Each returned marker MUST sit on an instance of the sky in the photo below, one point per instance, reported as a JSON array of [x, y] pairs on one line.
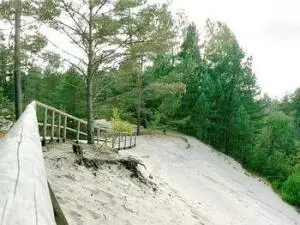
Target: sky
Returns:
[[269, 30]]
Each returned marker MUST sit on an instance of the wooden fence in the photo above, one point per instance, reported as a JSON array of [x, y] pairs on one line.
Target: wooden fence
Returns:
[[25, 197], [60, 130]]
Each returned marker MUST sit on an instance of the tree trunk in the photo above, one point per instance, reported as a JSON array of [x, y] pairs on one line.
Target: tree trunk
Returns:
[[89, 81], [139, 101], [90, 112], [17, 60]]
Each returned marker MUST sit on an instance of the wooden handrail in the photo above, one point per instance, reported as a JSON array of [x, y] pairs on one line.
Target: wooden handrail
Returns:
[[60, 112], [24, 192], [65, 127], [124, 137]]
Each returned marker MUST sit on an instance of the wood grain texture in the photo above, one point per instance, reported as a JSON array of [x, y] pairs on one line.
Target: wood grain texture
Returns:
[[24, 193]]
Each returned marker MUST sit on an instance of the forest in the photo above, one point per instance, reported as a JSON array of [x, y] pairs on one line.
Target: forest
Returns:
[[154, 69]]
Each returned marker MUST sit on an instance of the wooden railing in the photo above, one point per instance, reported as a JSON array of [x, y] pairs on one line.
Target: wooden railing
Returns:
[[24, 192], [60, 126]]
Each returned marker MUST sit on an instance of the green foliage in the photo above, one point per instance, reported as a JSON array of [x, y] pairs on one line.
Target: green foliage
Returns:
[[291, 188], [2, 133], [206, 89], [118, 125], [278, 134], [6, 107]]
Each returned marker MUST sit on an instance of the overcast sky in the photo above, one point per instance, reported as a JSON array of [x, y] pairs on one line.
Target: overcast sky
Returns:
[[269, 30]]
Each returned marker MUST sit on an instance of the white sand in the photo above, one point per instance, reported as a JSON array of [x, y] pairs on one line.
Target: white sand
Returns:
[[213, 183], [111, 196], [195, 186]]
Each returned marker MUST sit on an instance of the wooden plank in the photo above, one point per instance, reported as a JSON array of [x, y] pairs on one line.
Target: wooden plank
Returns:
[[52, 125], [65, 129], [24, 193]]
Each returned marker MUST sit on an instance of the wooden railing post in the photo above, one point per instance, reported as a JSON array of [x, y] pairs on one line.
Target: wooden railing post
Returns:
[[119, 145], [45, 126], [78, 132], [105, 141], [113, 141], [98, 135], [135, 139], [58, 127], [130, 146], [125, 140], [52, 125], [65, 129]]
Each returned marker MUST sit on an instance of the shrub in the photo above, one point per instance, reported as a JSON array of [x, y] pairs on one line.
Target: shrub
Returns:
[[291, 189], [2, 133], [119, 126]]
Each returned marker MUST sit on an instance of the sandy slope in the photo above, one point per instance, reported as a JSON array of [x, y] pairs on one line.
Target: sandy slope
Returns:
[[111, 196], [215, 185]]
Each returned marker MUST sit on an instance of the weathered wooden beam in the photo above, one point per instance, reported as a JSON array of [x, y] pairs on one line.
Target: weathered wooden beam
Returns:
[[24, 193]]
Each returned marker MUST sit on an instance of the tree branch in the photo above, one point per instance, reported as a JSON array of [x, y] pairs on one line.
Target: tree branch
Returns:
[[73, 39], [100, 7], [76, 66], [66, 8], [55, 45]]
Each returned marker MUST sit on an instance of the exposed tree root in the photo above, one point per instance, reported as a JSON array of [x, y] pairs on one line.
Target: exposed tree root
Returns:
[[129, 163]]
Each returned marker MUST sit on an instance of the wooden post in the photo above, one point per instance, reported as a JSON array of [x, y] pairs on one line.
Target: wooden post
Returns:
[[135, 139], [119, 146], [105, 138], [125, 140], [58, 127], [65, 129], [98, 135], [130, 146], [24, 198], [45, 126], [78, 132], [52, 125], [112, 141]]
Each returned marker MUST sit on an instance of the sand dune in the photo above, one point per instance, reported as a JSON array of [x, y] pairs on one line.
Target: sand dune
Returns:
[[193, 184], [221, 189]]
